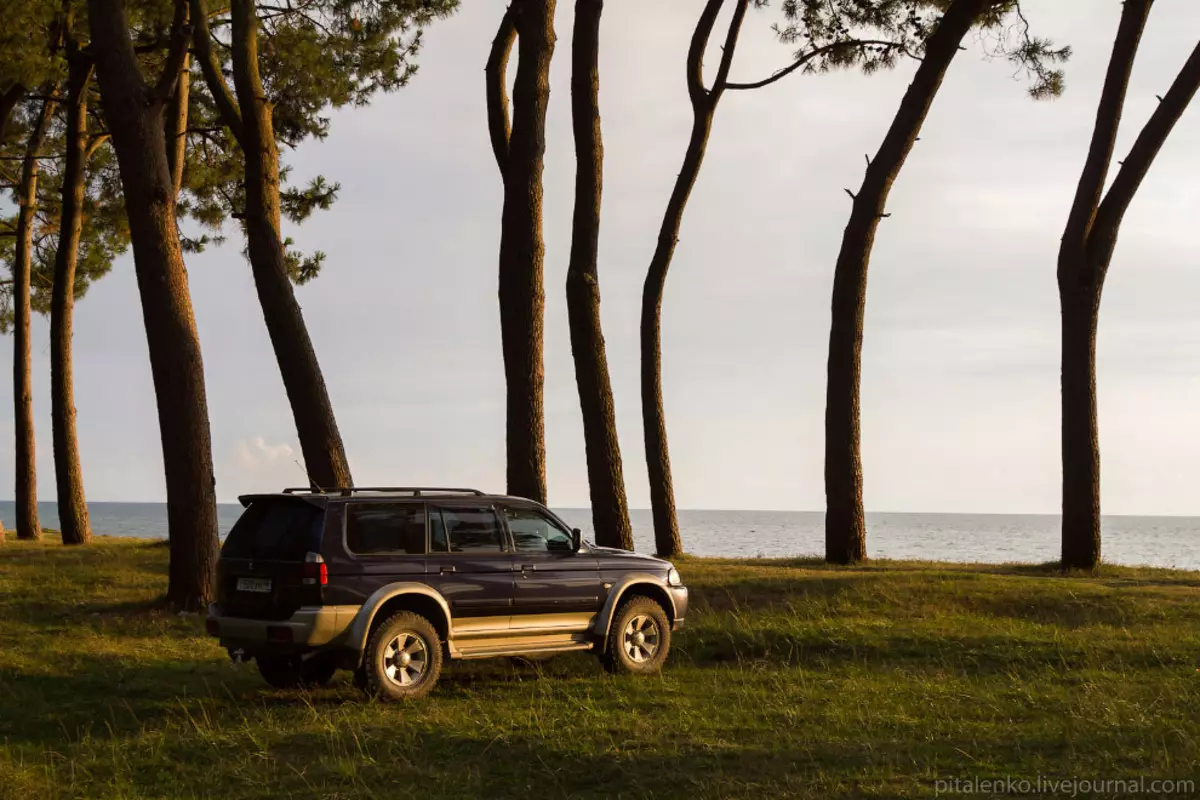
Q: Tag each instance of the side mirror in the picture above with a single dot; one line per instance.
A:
(576, 539)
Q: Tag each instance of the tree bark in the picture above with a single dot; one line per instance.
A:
(72, 504)
(606, 482)
(1086, 251)
(845, 523)
(521, 293)
(134, 114)
(176, 132)
(28, 526)
(316, 426)
(704, 106)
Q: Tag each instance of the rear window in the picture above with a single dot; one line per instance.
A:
(276, 530)
(467, 530)
(397, 528)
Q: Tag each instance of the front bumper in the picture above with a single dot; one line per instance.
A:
(310, 626)
(679, 596)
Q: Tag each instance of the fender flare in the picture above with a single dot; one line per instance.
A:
(604, 619)
(356, 637)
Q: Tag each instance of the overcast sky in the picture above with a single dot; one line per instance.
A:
(960, 359)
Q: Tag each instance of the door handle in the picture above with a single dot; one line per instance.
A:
(528, 567)
(447, 568)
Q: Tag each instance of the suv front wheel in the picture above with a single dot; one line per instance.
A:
(403, 658)
(639, 638)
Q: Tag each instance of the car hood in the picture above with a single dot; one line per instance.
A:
(614, 558)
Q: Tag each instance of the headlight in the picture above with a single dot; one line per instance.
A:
(673, 578)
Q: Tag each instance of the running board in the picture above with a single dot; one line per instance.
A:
(492, 649)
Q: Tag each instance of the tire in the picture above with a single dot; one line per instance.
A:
(385, 676)
(293, 672)
(624, 651)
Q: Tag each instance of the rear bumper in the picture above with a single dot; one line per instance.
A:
(679, 596)
(310, 626)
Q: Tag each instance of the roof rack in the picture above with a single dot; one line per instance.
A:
(415, 491)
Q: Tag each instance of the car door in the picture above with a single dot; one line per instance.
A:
(555, 585)
(385, 543)
(471, 564)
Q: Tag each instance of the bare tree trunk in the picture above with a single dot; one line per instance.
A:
(522, 297)
(134, 113)
(606, 482)
(72, 504)
(28, 526)
(1088, 243)
(316, 426)
(704, 106)
(845, 524)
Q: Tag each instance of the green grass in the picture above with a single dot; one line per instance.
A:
(790, 679)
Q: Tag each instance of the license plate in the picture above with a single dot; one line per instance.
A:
(254, 584)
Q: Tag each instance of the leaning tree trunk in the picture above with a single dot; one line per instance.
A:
(1081, 273)
(520, 155)
(845, 523)
(610, 511)
(316, 427)
(28, 526)
(134, 113)
(654, 425)
(176, 130)
(72, 505)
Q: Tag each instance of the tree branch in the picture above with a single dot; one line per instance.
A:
(226, 105)
(695, 56)
(495, 74)
(1149, 141)
(731, 38)
(805, 58)
(181, 34)
(1108, 117)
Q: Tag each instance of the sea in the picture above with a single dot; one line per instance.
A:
(988, 538)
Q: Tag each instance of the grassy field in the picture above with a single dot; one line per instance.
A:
(791, 679)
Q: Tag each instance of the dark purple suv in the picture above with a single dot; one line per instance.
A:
(389, 582)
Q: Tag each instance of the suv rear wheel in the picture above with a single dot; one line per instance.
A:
(639, 638)
(403, 658)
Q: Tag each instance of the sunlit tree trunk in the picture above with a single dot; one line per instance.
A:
(520, 154)
(28, 526)
(610, 511)
(68, 473)
(134, 112)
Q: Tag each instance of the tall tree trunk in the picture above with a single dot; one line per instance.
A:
(845, 524)
(134, 113)
(28, 526)
(704, 106)
(72, 505)
(606, 483)
(1088, 243)
(1080, 306)
(519, 155)
(316, 427)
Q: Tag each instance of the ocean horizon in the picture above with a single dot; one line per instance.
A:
(1159, 541)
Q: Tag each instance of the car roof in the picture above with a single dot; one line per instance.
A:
(385, 493)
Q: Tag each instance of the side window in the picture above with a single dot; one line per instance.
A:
(376, 528)
(534, 532)
(472, 530)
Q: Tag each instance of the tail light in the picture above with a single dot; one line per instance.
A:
(315, 571)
